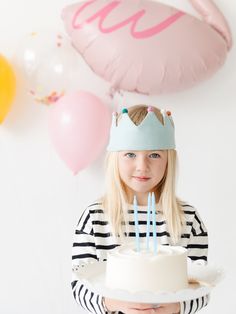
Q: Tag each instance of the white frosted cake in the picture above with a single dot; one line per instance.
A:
(135, 271)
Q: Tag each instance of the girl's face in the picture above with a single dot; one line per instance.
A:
(141, 171)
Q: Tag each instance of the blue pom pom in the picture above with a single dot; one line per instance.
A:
(124, 110)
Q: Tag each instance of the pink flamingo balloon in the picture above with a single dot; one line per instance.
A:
(148, 47)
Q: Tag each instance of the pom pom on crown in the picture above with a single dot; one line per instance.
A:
(150, 134)
(150, 109)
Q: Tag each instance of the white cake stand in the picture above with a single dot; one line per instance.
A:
(202, 278)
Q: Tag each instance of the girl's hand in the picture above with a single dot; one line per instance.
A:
(141, 308)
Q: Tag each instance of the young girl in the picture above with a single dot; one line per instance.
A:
(141, 158)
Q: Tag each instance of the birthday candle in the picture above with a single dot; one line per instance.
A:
(148, 219)
(154, 223)
(136, 224)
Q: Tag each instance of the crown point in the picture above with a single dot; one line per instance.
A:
(124, 110)
(168, 113)
(150, 109)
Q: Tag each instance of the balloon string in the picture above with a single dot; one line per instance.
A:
(116, 105)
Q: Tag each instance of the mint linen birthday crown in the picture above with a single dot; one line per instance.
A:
(150, 134)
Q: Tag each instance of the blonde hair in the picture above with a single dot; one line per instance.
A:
(115, 200)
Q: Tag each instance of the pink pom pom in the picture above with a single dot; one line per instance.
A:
(150, 109)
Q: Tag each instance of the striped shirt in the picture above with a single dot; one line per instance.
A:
(93, 239)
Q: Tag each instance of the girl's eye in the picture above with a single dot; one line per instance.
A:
(154, 155)
(130, 155)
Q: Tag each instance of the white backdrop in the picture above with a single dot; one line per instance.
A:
(41, 200)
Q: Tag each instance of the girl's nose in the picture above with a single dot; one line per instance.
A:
(141, 163)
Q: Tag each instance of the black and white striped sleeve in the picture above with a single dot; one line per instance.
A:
(197, 250)
(84, 251)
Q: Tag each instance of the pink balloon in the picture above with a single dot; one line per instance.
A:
(148, 47)
(79, 127)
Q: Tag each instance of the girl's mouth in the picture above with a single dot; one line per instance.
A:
(141, 178)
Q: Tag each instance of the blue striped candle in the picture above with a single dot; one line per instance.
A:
(154, 223)
(148, 219)
(136, 224)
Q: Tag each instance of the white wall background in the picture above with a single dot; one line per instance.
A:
(40, 200)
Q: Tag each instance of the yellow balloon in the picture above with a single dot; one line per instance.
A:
(7, 87)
